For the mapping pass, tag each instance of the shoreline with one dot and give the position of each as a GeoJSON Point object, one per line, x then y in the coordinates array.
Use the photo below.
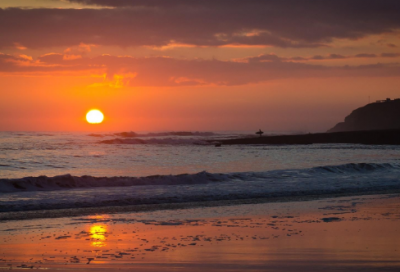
{"type": "Point", "coordinates": [87, 211]}
{"type": "Point", "coordinates": [369, 137]}
{"type": "Point", "coordinates": [357, 233]}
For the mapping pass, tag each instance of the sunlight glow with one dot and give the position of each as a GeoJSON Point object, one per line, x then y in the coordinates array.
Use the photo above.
{"type": "Point", "coordinates": [94, 117]}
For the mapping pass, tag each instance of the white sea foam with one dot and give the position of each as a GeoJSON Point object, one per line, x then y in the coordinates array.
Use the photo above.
{"type": "Point", "coordinates": [62, 182]}
{"type": "Point", "coordinates": [26, 154]}
{"type": "Point", "coordinates": [118, 173]}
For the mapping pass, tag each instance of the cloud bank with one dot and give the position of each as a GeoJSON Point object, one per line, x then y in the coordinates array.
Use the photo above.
{"type": "Point", "coordinates": [162, 71]}
{"type": "Point", "coordinates": [284, 23]}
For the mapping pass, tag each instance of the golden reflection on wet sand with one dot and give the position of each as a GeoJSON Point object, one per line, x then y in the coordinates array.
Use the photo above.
{"type": "Point", "coordinates": [344, 233]}
{"type": "Point", "coordinates": [98, 235]}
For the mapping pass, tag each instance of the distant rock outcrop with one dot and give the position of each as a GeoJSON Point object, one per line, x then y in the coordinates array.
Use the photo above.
{"type": "Point", "coordinates": [381, 115]}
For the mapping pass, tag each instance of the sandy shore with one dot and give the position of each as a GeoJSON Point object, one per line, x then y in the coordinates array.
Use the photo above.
{"type": "Point", "coordinates": [358, 233]}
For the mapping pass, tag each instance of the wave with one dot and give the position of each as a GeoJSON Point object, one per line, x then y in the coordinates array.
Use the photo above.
{"type": "Point", "coordinates": [168, 141]}
{"type": "Point", "coordinates": [164, 134]}
{"type": "Point", "coordinates": [358, 167]}
{"type": "Point", "coordinates": [317, 174]}
{"type": "Point", "coordinates": [96, 135]}
{"type": "Point", "coordinates": [62, 182]}
{"type": "Point", "coordinates": [66, 191]}
{"type": "Point", "coordinates": [131, 134]}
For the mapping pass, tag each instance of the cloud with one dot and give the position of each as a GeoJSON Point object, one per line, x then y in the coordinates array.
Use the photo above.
{"type": "Point", "coordinates": [361, 5]}
{"type": "Point", "coordinates": [383, 55]}
{"type": "Point", "coordinates": [273, 57]}
{"type": "Point", "coordinates": [365, 55]}
{"type": "Point", "coordinates": [48, 63]}
{"type": "Point", "coordinates": [390, 55]}
{"type": "Point", "coordinates": [19, 46]}
{"type": "Point", "coordinates": [116, 81]}
{"type": "Point", "coordinates": [51, 58]}
{"type": "Point", "coordinates": [264, 58]}
{"type": "Point", "coordinates": [117, 72]}
{"type": "Point", "coordinates": [284, 23]}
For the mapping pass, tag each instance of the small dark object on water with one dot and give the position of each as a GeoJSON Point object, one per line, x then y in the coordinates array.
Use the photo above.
{"type": "Point", "coordinates": [260, 132]}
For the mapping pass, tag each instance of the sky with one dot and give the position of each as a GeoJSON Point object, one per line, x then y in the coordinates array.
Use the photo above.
{"type": "Point", "coordinates": [209, 65]}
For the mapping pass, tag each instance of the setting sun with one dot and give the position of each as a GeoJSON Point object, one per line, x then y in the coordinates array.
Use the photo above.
{"type": "Point", "coordinates": [94, 117]}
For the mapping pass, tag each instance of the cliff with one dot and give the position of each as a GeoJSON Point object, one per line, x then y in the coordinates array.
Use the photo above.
{"type": "Point", "coordinates": [381, 115]}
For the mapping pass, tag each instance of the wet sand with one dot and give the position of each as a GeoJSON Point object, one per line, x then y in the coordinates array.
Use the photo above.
{"type": "Point", "coordinates": [359, 233]}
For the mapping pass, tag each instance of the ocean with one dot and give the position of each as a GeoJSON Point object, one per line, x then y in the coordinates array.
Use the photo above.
{"type": "Point", "coordinates": [41, 171]}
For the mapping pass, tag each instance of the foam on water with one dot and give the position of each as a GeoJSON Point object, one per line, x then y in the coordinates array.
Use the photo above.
{"type": "Point", "coordinates": [64, 170]}
{"type": "Point", "coordinates": [31, 193]}
{"type": "Point", "coordinates": [62, 182]}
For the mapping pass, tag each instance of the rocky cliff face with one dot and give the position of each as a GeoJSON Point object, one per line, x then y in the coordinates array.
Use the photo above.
{"type": "Point", "coordinates": [374, 116]}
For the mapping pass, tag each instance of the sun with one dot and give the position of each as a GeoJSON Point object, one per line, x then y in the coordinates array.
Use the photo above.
{"type": "Point", "coordinates": [94, 117]}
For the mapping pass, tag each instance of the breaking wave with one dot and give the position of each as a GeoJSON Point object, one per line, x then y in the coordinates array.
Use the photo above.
{"type": "Point", "coordinates": [319, 175]}
{"type": "Point", "coordinates": [32, 193]}
{"type": "Point", "coordinates": [62, 182]}
{"type": "Point", "coordinates": [358, 167]}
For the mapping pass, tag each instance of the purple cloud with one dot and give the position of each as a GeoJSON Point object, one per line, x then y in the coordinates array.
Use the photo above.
{"type": "Point", "coordinates": [390, 55]}
{"type": "Point", "coordinates": [284, 23]}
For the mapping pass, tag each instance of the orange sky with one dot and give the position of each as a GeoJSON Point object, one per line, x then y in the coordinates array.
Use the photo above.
{"type": "Point", "coordinates": [197, 65]}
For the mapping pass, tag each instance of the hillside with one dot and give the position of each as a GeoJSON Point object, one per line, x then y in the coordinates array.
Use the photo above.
{"type": "Point", "coordinates": [381, 115]}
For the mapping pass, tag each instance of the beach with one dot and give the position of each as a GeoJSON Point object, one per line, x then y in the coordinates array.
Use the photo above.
{"type": "Point", "coordinates": [194, 136]}
{"type": "Point", "coordinates": [354, 233]}
{"type": "Point", "coordinates": [173, 202]}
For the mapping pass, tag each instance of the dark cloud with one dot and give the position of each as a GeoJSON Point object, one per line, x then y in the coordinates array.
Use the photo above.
{"type": "Point", "coordinates": [338, 4]}
{"type": "Point", "coordinates": [159, 71]}
{"type": "Point", "coordinates": [263, 58]}
{"type": "Point", "coordinates": [328, 57]}
{"type": "Point", "coordinates": [318, 57]}
{"type": "Point", "coordinates": [365, 55]}
{"type": "Point", "coordinates": [283, 23]}
{"type": "Point", "coordinates": [336, 56]}
{"type": "Point", "coordinates": [390, 55]}
{"type": "Point", "coordinates": [273, 57]}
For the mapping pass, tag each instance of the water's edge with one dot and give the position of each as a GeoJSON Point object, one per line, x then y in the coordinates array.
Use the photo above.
{"type": "Point", "coordinates": [75, 212]}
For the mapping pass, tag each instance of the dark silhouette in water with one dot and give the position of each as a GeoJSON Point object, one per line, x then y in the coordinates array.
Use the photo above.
{"type": "Point", "coordinates": [380, 115]}
{"type": "Point", "coordinates": [260, 132]}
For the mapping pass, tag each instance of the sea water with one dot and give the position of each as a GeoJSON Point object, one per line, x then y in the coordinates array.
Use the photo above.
{"type": "Point", "coordinates": [67, 170]}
